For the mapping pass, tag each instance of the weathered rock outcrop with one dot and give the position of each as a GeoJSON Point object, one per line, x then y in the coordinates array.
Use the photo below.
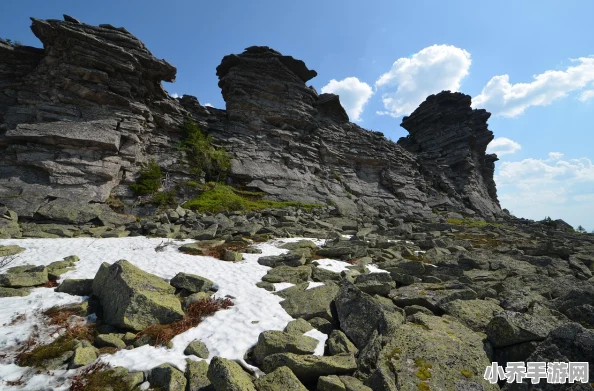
{"type": "Point", "coordinates": [79, 117]}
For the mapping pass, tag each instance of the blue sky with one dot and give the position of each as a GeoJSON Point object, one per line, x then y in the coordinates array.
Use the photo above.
{"type": "Point", "coordinates": [527, 62]}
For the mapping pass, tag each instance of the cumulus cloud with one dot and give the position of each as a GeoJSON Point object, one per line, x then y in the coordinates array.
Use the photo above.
{"type": "Point", "coordinates": [208, 105]}
{"type": "Point", "coordinates": [431, 70]}
{"type": "Point", "coordinates": [175, 95]}
{"type": "Point", "coordinates": [503, 146]}
{"type": "Point", "coordinates": [354, 95]}
{"type": "Point", "coordinates": [586, 95]}
{"type": "Point", "coordinates": [556, 187]}
{"type": "Point", "coordinates": [555, 156]}
{"type": "Point", "coordinates": [510, 100]}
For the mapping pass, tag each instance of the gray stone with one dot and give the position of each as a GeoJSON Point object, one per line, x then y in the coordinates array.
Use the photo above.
{"type": "Point", "coordinates": [167, 378]}
{"type": "Point", "coordinates": [271, 342]}
{"type": "Point", "coordinates": [311, 303]}
{"type": "Point", "coordinates": [309, 368]}
{"type": "Point", "coordinates": [197, 348]}
{"type": "Point", "coordinates": [76, 287]}
{"type": "Point", "coordinates": [133, 299]}
{"type": "Point", "coordinates": [228, 375]}
{"type": "Point", "coordinates": [191, 282]}
{"type": "Point", "coordinates": [280, 379]}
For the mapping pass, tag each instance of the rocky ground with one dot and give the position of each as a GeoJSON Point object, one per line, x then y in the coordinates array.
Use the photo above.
{"type": "Point", "coordinates": [405, 305]}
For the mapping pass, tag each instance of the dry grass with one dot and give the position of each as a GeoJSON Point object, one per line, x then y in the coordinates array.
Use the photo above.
{"type": "Point", "coordinates": [50, 284]}
{"type": "Point", "coordinates": [32, 354]}
{"type": "Point", "coordinates": [162, 334]}
{"type": "Point", "coordinates": [219, 251]}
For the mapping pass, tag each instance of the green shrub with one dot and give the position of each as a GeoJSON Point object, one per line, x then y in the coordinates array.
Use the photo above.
{"type": "Point", "coordinates": [218, 198]}
{"type": "Point", "coordinates": [164, 199]}
{"type": "Point", "coordinates": [202, 156]}
{"type": "Point", "coordinates": [149, 179]}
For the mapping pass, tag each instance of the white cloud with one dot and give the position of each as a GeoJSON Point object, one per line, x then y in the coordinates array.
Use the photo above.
{"type": "Point", "coordinates": [535, 188]}
{"type": "Point", "coordinates": [175, 95]}
{"type": "Point", "coordinates": [431, 70]}
{"type": "Point", "coordinates": [353, 93]}
{"type": "Point", "coordinates": [208, 105]}
{"type": "Point", "coordinates": [555, 156]}
{"type": "Point", "coordinates": [586, 95]}
{"type": "Point", "coordinates": [502, 98]}
{"type": "Point", "coordinates": [503, 146]}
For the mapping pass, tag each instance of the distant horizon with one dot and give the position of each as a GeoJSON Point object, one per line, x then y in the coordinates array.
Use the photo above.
{"type": "Point", "coordinates": [537, 81]}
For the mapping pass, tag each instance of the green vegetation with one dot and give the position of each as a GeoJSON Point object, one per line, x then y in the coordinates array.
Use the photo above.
{"type": "Point", "coordinates": [97, 376]}
{"type": "Point", "coordinates": [149, 179]}
{"type": "Point", "coordinates": [202, 156]}
{"type": "Point", "coordinates": [218, 197]}
{"type": "Point", "coordinates": [423, 387]}
{"type": "Point", "coordinates": [12, 43]}
{"type": "Point", "coordinates": [471, 223]}
{"type": "Point", "coordinates": [164, 199]}
{"type": "Point", "coordinates": [466, 373]}
{"type": "Point", "coordinates": [581, 229]}
{"type": "Point", "coordinates": [39, 355]}
{"type": "Point", "coordinates": [423, 373]}
{"type": "Point", "coordinates": [336, 175]}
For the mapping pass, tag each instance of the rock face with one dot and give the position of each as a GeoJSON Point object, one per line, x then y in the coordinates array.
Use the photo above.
{"type": "Point", "coordinates": [450, 140]}
{"type": "Point", "coordinates": [78, 118]}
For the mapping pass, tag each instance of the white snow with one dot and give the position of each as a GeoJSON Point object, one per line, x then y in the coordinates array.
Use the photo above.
{"type": "Point", "coordinates": [339, 266]}
{"type": "Point", "coordinates": [279, 286]}
{"type": "Point", "coordinates": [228, 333]}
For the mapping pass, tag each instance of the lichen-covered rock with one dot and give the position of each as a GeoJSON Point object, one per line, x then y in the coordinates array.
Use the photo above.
{"type": "Point", "coordinates": [133, 299]}
{"type": "Point", "coordinates": [475, 314]}
{"type": "Point", "coordinates": [311, 303]}
{"type": "Point", "coordinates": [6, 251]}
{"type": "Point", "coordinates": [339, 343]}
{"type": "Point", "coordinates": [509, 328]}
{"type": "Point", "coordinates": [110, 340]}
{"type": "Point", "coordinates": [191, 282]}
{"type": "Point", "coordinates": [76, 287]}
{"type": "Point", "coordinates": [360, 315]}
{"type": "Point", "coordinates": [309, 368]}
{"type": "Point", "coordinates": [431, 350]}
{"type": "Point", "coordinates": [192, 248]}
{"type": "Point", "coordinates": [31, 276]}
{"type": "Point", "coordinates": [83, 356]}
{"type": "Point", "coordinates": [298, 326]}
{"type": "Point", "coordinates": [271, 342]}
{"type": "Point", "coordinates": [167, 378]}
{"type": "Point", "coordinates": [228, 375]}
{"type": "Point", "coordinates": [14, 292]}
{"type": "Point", "coordinates": [290, 274]}
{"type": "Point", "coordinates": [197, 348]}
{"type": "Point", "coordinates": [280, 379]}
{"type": "Point", "coordinates": [196, 374]}
{"type": "Point", "coordinates": [330, 383]}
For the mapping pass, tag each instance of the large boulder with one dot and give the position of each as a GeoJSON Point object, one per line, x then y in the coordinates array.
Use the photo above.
{"type": "Point", "coordinates": [311, 303]}
{"type": "Point", "coordinates": [167, 378]}
{"type": "Point", "coordinates": [133, 299]}
{"type": "Point", "coordinates": [431, 353]}
{"type": "Point", "coordinates": [309, 368]}
{"type": "Point", "coordinates": [191, 283]}
{"type": "Point", "coordinates": [360, 315]}
{"type": "Point", "coordinates": [280, 379]}
{"type": "Point", "coordinates": [24, 276]}
{"type": "Point", "coordinates": [271, 342]}
{"type": "Point", "coordinates": [229, 376]}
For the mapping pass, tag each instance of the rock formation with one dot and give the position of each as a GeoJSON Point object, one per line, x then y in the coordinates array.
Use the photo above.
{"type": "Point", "coordinates": [79, 117]}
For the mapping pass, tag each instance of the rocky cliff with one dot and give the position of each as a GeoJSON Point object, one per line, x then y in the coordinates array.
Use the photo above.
{"type": "Point", "coordinates": [79, 117]}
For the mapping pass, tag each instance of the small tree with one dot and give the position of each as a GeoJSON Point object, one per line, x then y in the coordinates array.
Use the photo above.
{"type": "Point", "coordinates": [202, 154]}
{"type": "Point", "coordinates": [581, 229]}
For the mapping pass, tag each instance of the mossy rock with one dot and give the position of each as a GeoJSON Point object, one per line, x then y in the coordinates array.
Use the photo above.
{"type": "Point", "coordinates": [6, 251]}
{"type": "Point", "coordinates": [191, 283]}
{"type": "Point", "coordinates": [83, 356]}
{"type": "Point", "coordinates": [271, 342]}
{"type": "Point", "coordinates": [197, 348]}
{"type": "Point", "coordinates": [35, 276]}
{"type": "Point", "coordinates": [14, 292]}
{"type": "Point", "coordinates": [280, 379]}
{"type": "Point", "coordinates": [311, 303]}
{"type": "Point", "coordinates": [196, 374]}
{"type": "Point", "coordinates": [309, 368]}
{"type": "Point", "coordinates": [290, 274]}
{"type": "Point", "coordinates": [167, 378]}
{"type": "Point", "coordinates": [228, 375]}
{"type": "Point", "coordinates": [298, 327]}
{"type": "Point", "coordinates": [133, 299]}
{"type": "Point", "coordinates": [427, 349]}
